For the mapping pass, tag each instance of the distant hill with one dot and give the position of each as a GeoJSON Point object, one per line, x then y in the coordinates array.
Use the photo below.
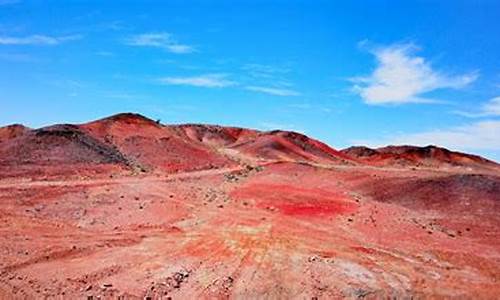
{"type": "Point", "coordinates": [429, 156]}
{"type": "Point", "coordinates": [132, 142]}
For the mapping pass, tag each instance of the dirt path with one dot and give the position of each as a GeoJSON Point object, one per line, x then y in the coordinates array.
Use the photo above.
{"type": "Point", "coordinates": [128, 179]}
{"type": "Point", "coordinates": [25, 183]}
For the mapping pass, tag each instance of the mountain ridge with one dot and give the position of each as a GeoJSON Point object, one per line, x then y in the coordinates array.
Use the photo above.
{"type": "Point", "coordinates": [131, 141]}
{"type": "Point", "coordinates": [415, 155]}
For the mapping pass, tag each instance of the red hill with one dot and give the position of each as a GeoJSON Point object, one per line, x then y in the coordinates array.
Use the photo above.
{"type": "Point", "coordinates": [269, 146]}
{"type": "Point", "coordinates": [12, 131]}
{"type": "Point", "coordinates": [213, 135]}
{"type": "Point", "coordinates": [289, 146]}
{"type": "Point", "coordinates": [151, 145]}
{"type": "Point", "coordinates": [429, 156]}
{"type": "Point", "coordinates": [61, 149]}
{"type": "Point", "coordinates": [131, 142]}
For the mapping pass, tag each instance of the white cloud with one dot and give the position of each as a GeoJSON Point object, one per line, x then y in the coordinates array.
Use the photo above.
{"type": "Point", "coordinates": [161, 40]}
{"type": "Point", "coordinates": [207, 80]}
{"type": "Point", "coordinates": [403, 77]}
{"type": "Point", "coordinates": [490, 108]}
{"type": "Point", "coordinates": [37, 39]}
{"type": "Point", "coordinates": [177, 48]}
{"type": "Point", "coordinates": [482, 135]}
{"type": "Point", "coordinates": [273, 91]}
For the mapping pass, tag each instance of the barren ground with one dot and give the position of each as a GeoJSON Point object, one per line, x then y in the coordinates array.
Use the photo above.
{"type": "Point", "coordinates": [284, 230]}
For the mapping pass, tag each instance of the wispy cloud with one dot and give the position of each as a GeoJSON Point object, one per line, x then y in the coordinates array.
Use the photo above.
{"type": "Point", "coordinates": [114, 25]}
{"type": "Point", "coordinates": [161, 40]}
{"type": "Point", "coordinates": [38, 39]}
{"type": "Point", "coordinates": [470, 137]}
{"type": "Point", "coordinates": [206, 80]}
{"type": "Point", "coordinates": [65, 83]}
{"type": "Point", "coordinates": [301, 106]}
{"type": "Point", "coordinates": [488, 109]}
{"type": "Point", "coordinates": [403, 77]}
{"type": "Point", "coordinates": [104, 53]}
{"type": "Point", "coordinates": [264, 71]}
{"type": "Point", "coordinates": [273, 91]}
{"type": "Point", "coordinates": [268, 79]}
{"type": "Point", "coordinates": [492, 107]}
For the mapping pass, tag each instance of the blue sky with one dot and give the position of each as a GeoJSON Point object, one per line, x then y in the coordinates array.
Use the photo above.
{"type": "Point", "coordinates": [358, 72]}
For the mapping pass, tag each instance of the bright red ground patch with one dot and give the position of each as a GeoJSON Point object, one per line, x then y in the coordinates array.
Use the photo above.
{"type": "Point", "coordinates": [293, 201]}
{"type": "Point", "coordinates": [312, 209]}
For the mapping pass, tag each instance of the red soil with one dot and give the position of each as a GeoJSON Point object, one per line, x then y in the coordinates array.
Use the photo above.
{"type": "Point", "coordinates": [294, 201]}
{"type": "Point", "coordinates": [234, 213]}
